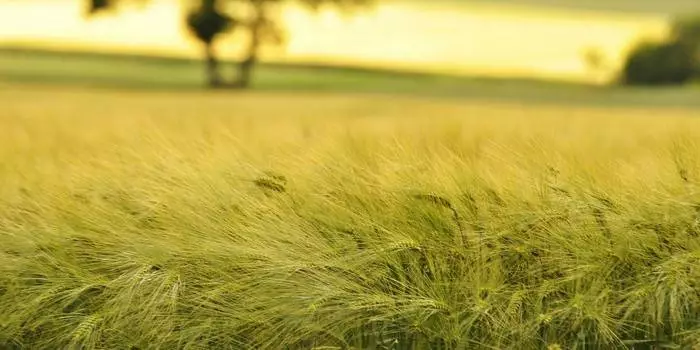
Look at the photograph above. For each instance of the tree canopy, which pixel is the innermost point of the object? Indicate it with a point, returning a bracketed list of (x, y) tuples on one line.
[(674, 61), (208, 19)]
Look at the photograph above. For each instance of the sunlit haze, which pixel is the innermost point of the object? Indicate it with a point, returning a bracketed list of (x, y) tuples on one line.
[(472, 39)]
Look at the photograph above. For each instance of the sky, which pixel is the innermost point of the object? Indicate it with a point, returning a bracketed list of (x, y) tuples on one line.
[(476, 38)]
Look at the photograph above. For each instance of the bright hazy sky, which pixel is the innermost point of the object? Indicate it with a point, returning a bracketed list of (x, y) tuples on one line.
[(472, 39)]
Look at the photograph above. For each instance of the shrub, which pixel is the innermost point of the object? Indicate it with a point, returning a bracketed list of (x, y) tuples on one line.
[(668, 63), (675, 61)]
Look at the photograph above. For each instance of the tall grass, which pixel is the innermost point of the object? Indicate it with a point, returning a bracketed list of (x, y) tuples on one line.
[(271, 222)]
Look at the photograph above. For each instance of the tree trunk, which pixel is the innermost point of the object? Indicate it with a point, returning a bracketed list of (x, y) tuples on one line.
[(245, 67), (245, 70), (212, 66)]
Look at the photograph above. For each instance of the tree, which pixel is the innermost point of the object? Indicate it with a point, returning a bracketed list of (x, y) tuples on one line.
[(674, 61), (687, 29), (212, 18), (98, 5), (262, 29), (207, 22), (265, 29), (666, 63)]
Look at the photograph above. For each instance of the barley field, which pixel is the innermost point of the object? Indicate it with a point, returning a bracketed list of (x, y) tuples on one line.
[(188, 220)]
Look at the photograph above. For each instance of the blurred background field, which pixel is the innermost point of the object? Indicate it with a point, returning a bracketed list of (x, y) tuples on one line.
[(527, 39), (109, 71)]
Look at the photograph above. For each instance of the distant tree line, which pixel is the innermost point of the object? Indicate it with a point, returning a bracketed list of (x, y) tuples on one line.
[(208, 20), (674, 61)]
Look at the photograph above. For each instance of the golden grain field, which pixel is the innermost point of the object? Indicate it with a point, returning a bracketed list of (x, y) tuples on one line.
[(325, 221)]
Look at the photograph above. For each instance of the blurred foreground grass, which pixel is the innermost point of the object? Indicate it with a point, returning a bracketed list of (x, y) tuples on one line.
[(21, 65), (276, 221)]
